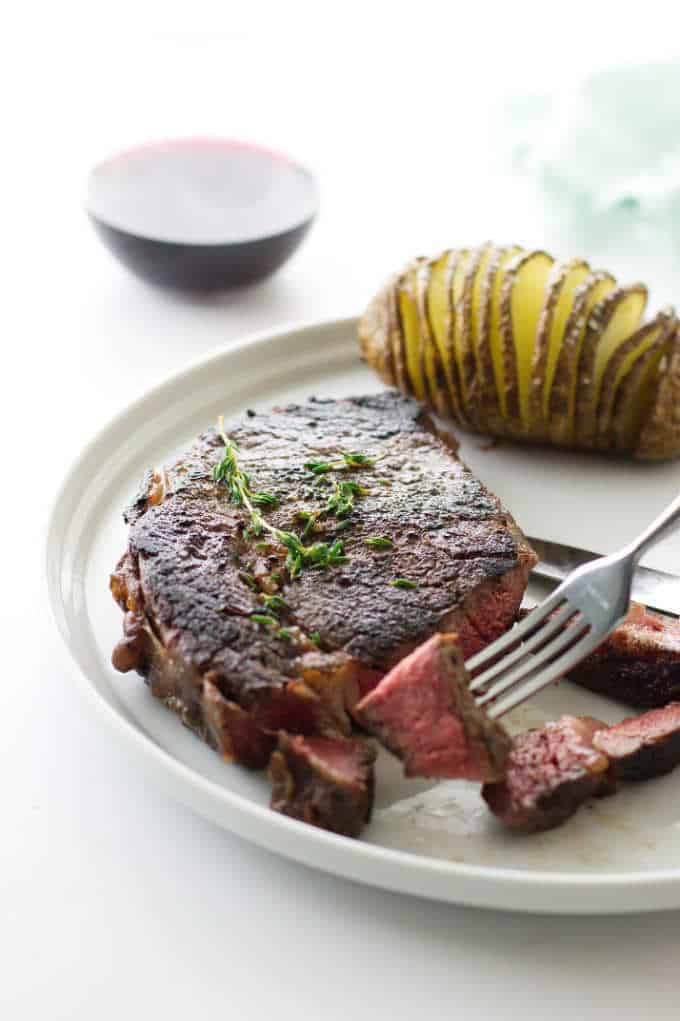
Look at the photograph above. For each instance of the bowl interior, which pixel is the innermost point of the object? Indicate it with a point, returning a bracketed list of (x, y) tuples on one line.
[(201, 192)]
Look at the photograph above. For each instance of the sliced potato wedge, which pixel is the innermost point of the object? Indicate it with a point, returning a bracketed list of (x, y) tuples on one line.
[(637, 393), (477, 317), (659, 437), (564, 280), (431, 364), (490, 337), (456, 303), (467, 328), (487, 314), (621, 363), (410, 329), (562, 394), (522, 298), (440, 319), (612, 321)]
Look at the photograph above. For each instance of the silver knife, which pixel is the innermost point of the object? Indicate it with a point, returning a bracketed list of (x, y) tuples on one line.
[(658, 590)]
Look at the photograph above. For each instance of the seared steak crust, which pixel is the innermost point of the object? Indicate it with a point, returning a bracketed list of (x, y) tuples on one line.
[(639, 663), (327, 782), (643, 746), (191, 580)]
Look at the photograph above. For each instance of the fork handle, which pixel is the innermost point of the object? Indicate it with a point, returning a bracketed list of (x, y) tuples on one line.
[(663, 525)]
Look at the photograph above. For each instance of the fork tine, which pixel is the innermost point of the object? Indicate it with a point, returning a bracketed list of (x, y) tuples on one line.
[(554, 623), (545, 677), (528, 666), (521, 630)]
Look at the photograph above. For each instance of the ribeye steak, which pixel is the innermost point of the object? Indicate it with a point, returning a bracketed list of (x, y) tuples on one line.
[(193, 577)]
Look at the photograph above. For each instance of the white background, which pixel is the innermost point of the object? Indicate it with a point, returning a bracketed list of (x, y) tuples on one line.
[(114, 901)]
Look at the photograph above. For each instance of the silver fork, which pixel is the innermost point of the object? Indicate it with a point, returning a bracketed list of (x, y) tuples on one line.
[(565, 628)]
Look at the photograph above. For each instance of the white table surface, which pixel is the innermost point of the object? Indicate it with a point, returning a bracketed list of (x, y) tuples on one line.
[(114, 901)]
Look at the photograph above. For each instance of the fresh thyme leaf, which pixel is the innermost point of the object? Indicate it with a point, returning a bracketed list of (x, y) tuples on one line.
[(315, 637), (310, 518), (248, 580), (261, 618), (293, 565), (379, 542), (358, 460), (284, 633), (403, 583), (348, 461), (263, 499), (319, 467), (275, 603), (341, 501), (261, 546)]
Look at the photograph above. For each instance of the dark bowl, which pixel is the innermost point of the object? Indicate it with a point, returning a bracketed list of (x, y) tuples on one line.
[(201, 214)]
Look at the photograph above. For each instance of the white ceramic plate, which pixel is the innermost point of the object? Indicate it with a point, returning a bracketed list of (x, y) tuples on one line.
[(436, 840)]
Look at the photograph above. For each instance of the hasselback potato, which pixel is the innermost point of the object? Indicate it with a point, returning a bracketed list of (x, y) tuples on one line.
[(513, 343)]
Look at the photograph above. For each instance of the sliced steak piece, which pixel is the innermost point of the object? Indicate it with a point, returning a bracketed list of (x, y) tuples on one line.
[(639, 663), (423, 712), (192, 579), (327, 782), (551, 771), (643, 746)]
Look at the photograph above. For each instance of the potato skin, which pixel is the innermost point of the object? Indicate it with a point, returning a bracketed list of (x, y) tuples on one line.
[(560, 422), (382, 342), (659, 438), (661, 327), (375, 336)]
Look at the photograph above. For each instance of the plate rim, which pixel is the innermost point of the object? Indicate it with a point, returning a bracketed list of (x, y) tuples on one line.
[(399, 871)]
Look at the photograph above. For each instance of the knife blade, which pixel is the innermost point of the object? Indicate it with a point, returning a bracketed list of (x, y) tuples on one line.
[(657, 590)]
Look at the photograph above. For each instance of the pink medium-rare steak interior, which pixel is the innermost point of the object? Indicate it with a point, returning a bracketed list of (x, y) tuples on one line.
[(423, 712), (550, 773)]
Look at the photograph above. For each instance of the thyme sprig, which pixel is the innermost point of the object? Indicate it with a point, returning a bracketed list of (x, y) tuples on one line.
[(348, 461), (341, 501), (236, 480), (299, 556)]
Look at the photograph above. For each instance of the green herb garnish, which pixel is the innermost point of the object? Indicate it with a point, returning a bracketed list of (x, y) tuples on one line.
[(310, 519), (275, 603), (248, 580), (318, 555), (261, 618), (379, 542), (403, 583), (315, 637), (236, 480), (348, 461), (341, 501), (284, 633)]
